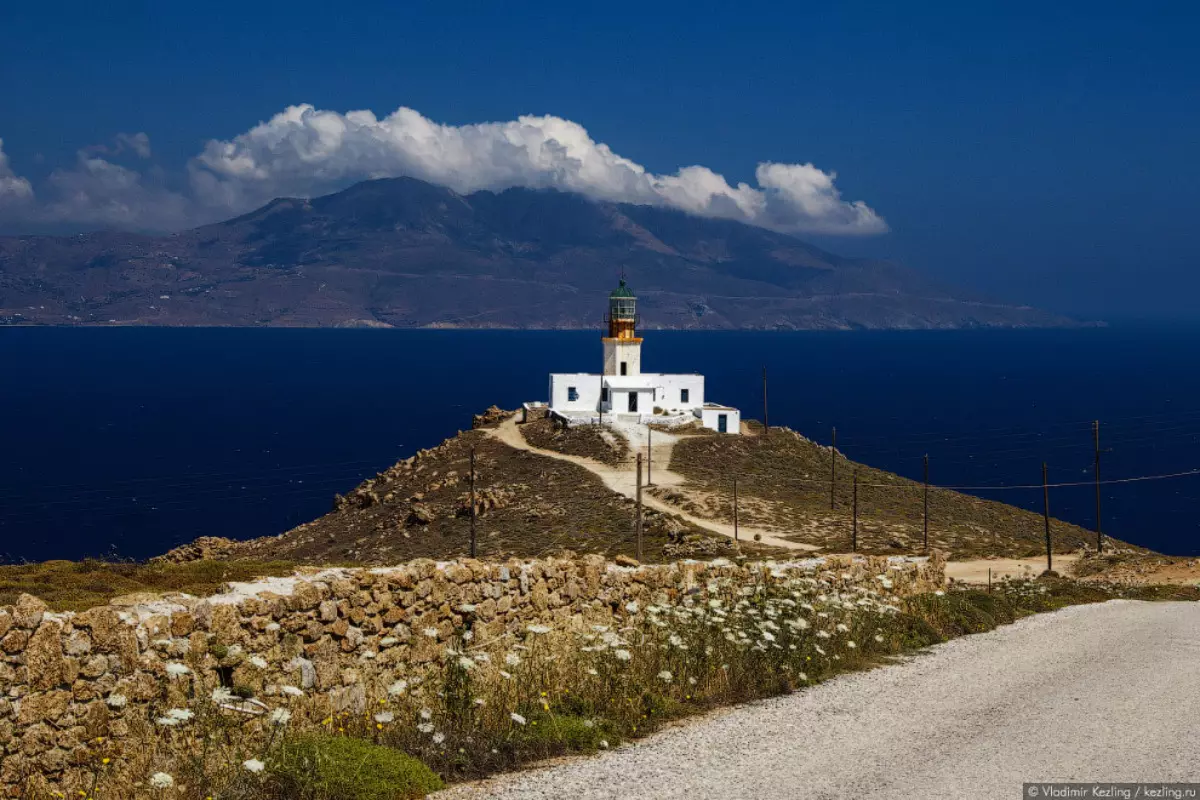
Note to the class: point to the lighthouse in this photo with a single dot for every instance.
(622, 393)
(622, 346)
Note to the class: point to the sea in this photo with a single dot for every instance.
(124, 442)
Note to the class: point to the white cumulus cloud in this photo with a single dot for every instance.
(306, 151)
(13, 188)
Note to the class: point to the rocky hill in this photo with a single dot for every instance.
(404, 253)
(526, 506)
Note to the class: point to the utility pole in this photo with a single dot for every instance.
(1046, 515)
(854, 525)
(639, 507)
(833, 470)
(766, 418)
(472, 501)
(926, 512)
(1096, 472)
(735, 509)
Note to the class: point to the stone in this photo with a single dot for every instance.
(327, 611)
(79, 643)
(626, 561)
(44, 707)
(28, 611)
(44, 656)
(14, 641)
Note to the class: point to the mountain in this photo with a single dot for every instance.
(401, 252)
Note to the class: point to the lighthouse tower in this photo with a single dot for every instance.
(622, 346)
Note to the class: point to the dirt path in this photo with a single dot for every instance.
(622, 479)
(1106, 692)
(977, 571)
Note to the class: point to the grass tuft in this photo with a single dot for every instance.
(324, 767)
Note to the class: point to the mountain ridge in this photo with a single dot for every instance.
(399, 252)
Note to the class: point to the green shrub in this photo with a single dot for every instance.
(324, 767)
(563, 732)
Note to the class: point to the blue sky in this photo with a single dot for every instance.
(1043, 153)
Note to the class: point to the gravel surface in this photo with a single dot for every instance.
(1105, 692)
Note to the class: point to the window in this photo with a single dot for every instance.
(572, 394)
(624, 368)
(604, 394)
(683, 395)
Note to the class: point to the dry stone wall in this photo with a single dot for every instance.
(69, 679)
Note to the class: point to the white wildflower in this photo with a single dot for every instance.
(280, 717)
(426, 713)
(221, 695)
(517, 718)
(398, 688)
(432, 633)
(292, 691)
(878, 638)
(254, 765)
(181, 714)
(425, 727)
(939, 593)
(538, 629)
(161, 780)
(632, 607)
(822, 634)
(439, 737)
(506, 675)
(851, 645)
(665, 675)
(841, 627)
(592, 671)
(466, 663)
(512, 659)
(177, 670)
(384, 717)
(258, 661)
(167, 722)
(622, 655)
(117, 700)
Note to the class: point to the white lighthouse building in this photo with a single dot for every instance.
(624, 392)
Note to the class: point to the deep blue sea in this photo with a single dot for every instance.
(127, 442)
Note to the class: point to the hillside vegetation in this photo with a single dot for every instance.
(783, 483)
(526, 505)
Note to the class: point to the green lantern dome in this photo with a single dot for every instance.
(621, 291)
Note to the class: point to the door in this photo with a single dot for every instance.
(633, 402)
(722, 423)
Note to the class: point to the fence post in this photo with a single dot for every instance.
(472, 501)
(766, 419)
(1046, 515)
(735, 509)
(833, 471)
(649, 456)
(854, 527)
(639, 507)
(1096, 471)
(926, 510)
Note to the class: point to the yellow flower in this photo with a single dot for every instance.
(105, 760)
(379, 726)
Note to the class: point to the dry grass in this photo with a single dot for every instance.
(783, 483)
(79, 585)
(588, 441)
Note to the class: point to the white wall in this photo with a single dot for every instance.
(618, 350)
(733, 419)
(618, 401)
(587, 386)
(668, 387)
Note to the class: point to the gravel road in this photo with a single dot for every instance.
(1105, 692)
